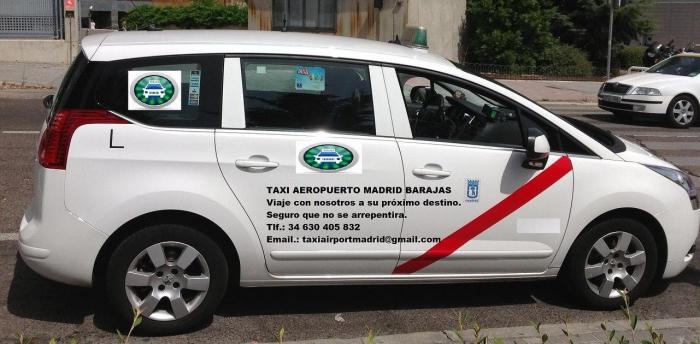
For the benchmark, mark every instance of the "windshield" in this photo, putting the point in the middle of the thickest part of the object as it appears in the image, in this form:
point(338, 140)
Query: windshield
point(678, 65)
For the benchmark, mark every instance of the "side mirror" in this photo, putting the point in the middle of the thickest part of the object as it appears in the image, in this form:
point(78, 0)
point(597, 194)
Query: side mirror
point(48, 101)
point(537, 151)
point(419, 94)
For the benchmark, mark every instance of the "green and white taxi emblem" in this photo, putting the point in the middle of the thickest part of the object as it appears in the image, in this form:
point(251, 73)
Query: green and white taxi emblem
point(328, 157)
point(154, 90)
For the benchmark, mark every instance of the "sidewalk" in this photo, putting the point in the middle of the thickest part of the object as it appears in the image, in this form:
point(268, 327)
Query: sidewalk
point(675, 331)
point(556, 91)
point(43, 76)
point(31, 75)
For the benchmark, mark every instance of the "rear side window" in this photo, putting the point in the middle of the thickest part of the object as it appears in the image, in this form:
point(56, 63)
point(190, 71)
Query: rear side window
point(173, 91)
point(69, 82)
point(290, 94)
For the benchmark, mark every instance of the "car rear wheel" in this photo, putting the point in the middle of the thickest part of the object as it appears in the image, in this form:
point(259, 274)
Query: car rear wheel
point(611, 256)
point(175, 275)
point(681, 112)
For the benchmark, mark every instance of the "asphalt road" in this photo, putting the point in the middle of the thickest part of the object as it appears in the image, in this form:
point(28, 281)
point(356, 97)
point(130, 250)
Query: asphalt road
point(40, 308)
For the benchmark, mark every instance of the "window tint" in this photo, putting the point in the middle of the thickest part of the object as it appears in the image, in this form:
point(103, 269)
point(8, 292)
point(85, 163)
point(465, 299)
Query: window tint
point(307, 95)
point(443, 110)
point(199, 90)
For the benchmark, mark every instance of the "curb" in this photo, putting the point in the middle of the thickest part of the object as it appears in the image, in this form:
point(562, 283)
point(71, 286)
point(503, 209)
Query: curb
point(681, 330)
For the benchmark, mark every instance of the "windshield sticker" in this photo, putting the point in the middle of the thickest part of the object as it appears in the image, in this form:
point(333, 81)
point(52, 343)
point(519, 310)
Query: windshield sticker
point(193, 96)
point(154, 90)
point(310, 79)
point(323, 157)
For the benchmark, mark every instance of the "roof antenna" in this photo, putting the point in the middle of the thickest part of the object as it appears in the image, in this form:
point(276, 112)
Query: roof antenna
point(395, 40)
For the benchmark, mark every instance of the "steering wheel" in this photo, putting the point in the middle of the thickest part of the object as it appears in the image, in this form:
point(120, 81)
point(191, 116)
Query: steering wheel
point(468, 121)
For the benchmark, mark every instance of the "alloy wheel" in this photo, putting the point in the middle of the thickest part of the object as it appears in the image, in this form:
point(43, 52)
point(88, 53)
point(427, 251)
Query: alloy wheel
point(683, 112)
point(167, 281)
point(615, 262)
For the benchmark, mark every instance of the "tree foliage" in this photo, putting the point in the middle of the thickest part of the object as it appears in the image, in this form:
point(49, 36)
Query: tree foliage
point(526, 32)
point(508, 32)
point(199, 14)
point(584, 23)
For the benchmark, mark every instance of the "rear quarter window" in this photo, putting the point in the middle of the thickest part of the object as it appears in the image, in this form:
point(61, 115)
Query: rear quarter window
point(172, 91)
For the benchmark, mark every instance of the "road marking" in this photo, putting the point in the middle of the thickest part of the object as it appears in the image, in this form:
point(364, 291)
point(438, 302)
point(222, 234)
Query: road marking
point(20, 132)
point(663, 134)
point(9, 236)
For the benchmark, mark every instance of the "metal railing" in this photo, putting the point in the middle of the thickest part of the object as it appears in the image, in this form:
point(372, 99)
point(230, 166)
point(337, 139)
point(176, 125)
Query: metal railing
point(536, 72)
point(30, 18)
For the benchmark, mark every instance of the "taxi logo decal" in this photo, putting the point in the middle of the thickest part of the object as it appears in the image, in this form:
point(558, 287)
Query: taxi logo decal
point(328, 157)
point(507, 206)
point(154, 90)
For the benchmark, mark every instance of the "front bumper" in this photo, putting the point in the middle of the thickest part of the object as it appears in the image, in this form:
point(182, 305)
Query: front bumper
point(53, 242)
point(681, 227)
point(633, 104)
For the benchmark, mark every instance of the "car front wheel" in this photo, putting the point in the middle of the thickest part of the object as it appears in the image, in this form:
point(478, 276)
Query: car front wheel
point(175, 275)
point(681, 111)
point(611, 256)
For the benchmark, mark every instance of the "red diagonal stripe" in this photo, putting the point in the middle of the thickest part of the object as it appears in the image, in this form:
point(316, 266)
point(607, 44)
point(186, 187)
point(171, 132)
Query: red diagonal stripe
point(484, 221)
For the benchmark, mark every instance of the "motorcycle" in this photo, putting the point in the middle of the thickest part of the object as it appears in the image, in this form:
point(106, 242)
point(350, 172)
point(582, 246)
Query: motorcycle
point(657, 52)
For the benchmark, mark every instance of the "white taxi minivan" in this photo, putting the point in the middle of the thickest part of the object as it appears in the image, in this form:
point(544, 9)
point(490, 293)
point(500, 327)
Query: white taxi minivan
point(174, 166)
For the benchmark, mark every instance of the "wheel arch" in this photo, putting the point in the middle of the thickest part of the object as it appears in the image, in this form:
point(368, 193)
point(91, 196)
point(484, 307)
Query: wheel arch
point(648, 220)
point(197, 221)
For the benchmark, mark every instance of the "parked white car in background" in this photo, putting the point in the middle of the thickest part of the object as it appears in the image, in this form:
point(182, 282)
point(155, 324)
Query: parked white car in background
point(434, 175)
point(669, 90)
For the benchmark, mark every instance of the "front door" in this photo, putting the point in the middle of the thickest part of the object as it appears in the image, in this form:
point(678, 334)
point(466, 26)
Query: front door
point(466, 185)
point(315, 139)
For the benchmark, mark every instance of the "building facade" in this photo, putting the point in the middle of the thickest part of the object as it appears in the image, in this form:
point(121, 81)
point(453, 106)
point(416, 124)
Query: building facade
point(370, 19)
point(677, 20)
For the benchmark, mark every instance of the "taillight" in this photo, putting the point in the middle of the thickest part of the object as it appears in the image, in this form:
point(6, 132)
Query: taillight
point(54, 144)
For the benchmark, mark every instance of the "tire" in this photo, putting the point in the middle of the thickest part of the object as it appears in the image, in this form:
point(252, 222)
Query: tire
point(152, 256)
point(614, 266)
point(682, 112)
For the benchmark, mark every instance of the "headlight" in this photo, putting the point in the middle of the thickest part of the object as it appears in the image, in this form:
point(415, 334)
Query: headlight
point(677, 177)
point(646, 91)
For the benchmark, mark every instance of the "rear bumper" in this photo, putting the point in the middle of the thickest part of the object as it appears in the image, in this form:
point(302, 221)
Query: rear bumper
point(52, 241)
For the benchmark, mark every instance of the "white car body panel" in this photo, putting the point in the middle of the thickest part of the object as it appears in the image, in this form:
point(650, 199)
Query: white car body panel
point(195, 171)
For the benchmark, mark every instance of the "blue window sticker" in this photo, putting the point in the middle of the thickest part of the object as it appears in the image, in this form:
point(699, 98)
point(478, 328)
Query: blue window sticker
point(310, 79)
point(471, 190)
point(193, 95)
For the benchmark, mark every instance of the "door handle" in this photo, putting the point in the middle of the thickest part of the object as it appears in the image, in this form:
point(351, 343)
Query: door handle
point(429, 172)
point(256, 164)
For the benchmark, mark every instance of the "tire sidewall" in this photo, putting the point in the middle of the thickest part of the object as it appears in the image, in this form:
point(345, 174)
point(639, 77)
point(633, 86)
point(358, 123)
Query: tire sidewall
point(579, 253)
point(134, 244)
point(669, 111)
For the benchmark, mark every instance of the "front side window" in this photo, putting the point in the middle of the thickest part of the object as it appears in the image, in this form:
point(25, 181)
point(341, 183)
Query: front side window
point(304, 15)
point(174, 91)
point(443, 110)
point(291, 94)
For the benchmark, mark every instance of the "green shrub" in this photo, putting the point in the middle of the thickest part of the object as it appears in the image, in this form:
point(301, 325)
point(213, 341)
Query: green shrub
point(631, 55)
point(204, 14)
point(565, 60)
